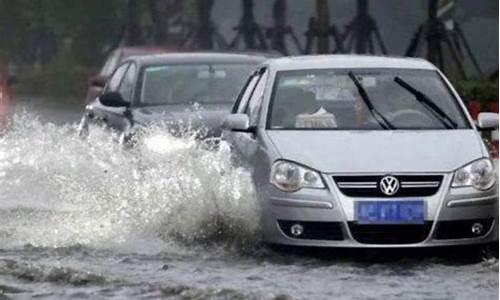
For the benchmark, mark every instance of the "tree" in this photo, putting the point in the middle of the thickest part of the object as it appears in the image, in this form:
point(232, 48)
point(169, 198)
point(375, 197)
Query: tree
point(15, 23)
point(323, 24)
point(362, 33)
point(249, 29)
point(205, 27)
point(134, 32)
point(281, 29)
point(159, 21)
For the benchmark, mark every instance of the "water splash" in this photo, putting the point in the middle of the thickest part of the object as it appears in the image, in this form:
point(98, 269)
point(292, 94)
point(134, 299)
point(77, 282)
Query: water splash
point(57, 190)
point(31, 272)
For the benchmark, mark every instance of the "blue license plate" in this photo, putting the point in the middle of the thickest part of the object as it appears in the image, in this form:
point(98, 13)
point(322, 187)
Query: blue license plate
point(390, 212)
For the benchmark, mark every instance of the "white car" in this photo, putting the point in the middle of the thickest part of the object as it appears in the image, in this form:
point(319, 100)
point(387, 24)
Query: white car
point(363, 151)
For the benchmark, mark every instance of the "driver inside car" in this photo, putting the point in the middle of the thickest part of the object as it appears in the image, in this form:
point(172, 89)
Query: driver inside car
point(303, 111)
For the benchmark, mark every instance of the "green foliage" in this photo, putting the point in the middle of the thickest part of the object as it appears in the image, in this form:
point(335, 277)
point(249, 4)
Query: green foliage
point(82, 33)
point(14, 26)
point(92, 25)
point(483, 91)
point(63, 76)
point(89, 26)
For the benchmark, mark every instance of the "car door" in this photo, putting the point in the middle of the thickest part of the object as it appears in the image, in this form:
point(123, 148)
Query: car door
point(253, 109)
point(228, 135)
point(112, 117)
point(244, 144)
point(96, 113)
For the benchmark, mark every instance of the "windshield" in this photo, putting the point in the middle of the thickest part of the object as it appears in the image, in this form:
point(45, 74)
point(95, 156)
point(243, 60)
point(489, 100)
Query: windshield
point(363, 99)
point(194, 83)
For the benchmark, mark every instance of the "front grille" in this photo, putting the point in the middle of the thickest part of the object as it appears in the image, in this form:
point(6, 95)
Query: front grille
point(331, 231)
point(447, 230)
point(390, 234)
point(369, 186)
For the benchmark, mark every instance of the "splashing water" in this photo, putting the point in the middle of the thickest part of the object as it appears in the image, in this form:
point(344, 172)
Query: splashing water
point(57, 190)
point(108, 222)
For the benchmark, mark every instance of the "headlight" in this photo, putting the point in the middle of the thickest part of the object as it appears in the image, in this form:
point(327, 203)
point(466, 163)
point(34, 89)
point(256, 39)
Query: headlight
point(480, 174)
point(291, 177)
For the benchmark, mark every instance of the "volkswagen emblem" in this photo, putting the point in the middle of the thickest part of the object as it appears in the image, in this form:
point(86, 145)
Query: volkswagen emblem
point(389, 185)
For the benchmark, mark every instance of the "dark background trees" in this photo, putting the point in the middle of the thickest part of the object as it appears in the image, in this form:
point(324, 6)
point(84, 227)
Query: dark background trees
point(54, 37)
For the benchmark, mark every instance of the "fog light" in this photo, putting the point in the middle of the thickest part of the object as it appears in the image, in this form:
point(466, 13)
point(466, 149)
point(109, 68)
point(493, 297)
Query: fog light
point(477, 228)
point(297, 230)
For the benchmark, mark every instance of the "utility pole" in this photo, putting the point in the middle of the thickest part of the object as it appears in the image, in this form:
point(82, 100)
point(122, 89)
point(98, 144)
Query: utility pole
point(323, 25)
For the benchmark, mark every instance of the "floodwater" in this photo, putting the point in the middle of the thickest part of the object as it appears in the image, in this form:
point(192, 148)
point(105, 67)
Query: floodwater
point(85, 219)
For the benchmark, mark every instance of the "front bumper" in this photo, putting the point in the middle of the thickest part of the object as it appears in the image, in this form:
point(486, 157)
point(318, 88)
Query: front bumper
point(328, 219)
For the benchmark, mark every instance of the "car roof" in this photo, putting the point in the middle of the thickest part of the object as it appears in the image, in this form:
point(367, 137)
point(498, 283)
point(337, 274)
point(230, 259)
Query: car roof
point(144, 50)
point(347, 61)
point(197, 57)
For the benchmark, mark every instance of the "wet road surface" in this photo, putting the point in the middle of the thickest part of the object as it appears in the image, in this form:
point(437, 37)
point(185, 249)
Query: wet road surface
point(87, 220)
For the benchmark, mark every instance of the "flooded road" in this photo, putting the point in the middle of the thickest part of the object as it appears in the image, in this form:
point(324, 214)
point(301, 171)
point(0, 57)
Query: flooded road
point(85, 219)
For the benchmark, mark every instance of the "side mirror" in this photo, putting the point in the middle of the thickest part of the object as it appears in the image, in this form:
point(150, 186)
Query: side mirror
point(236, 122)
point(487, 121)
point(97, 81)
point(113, 99)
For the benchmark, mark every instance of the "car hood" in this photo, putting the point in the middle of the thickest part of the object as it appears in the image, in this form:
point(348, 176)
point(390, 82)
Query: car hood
point(378, 151)
point(206, 119)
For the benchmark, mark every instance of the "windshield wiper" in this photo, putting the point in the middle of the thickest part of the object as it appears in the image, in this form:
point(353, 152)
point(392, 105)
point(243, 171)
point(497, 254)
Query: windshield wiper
point(382, 121)
point(432, 107)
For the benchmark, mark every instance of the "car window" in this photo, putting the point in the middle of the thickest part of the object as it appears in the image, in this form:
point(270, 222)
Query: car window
point(110, 64)
point(250, 81)
point(128, 82)
point(243, 101)
point(116, 79)
point(254, 104)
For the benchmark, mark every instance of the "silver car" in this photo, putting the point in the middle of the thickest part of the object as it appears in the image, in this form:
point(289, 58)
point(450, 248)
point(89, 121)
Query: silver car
point(358, 151)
